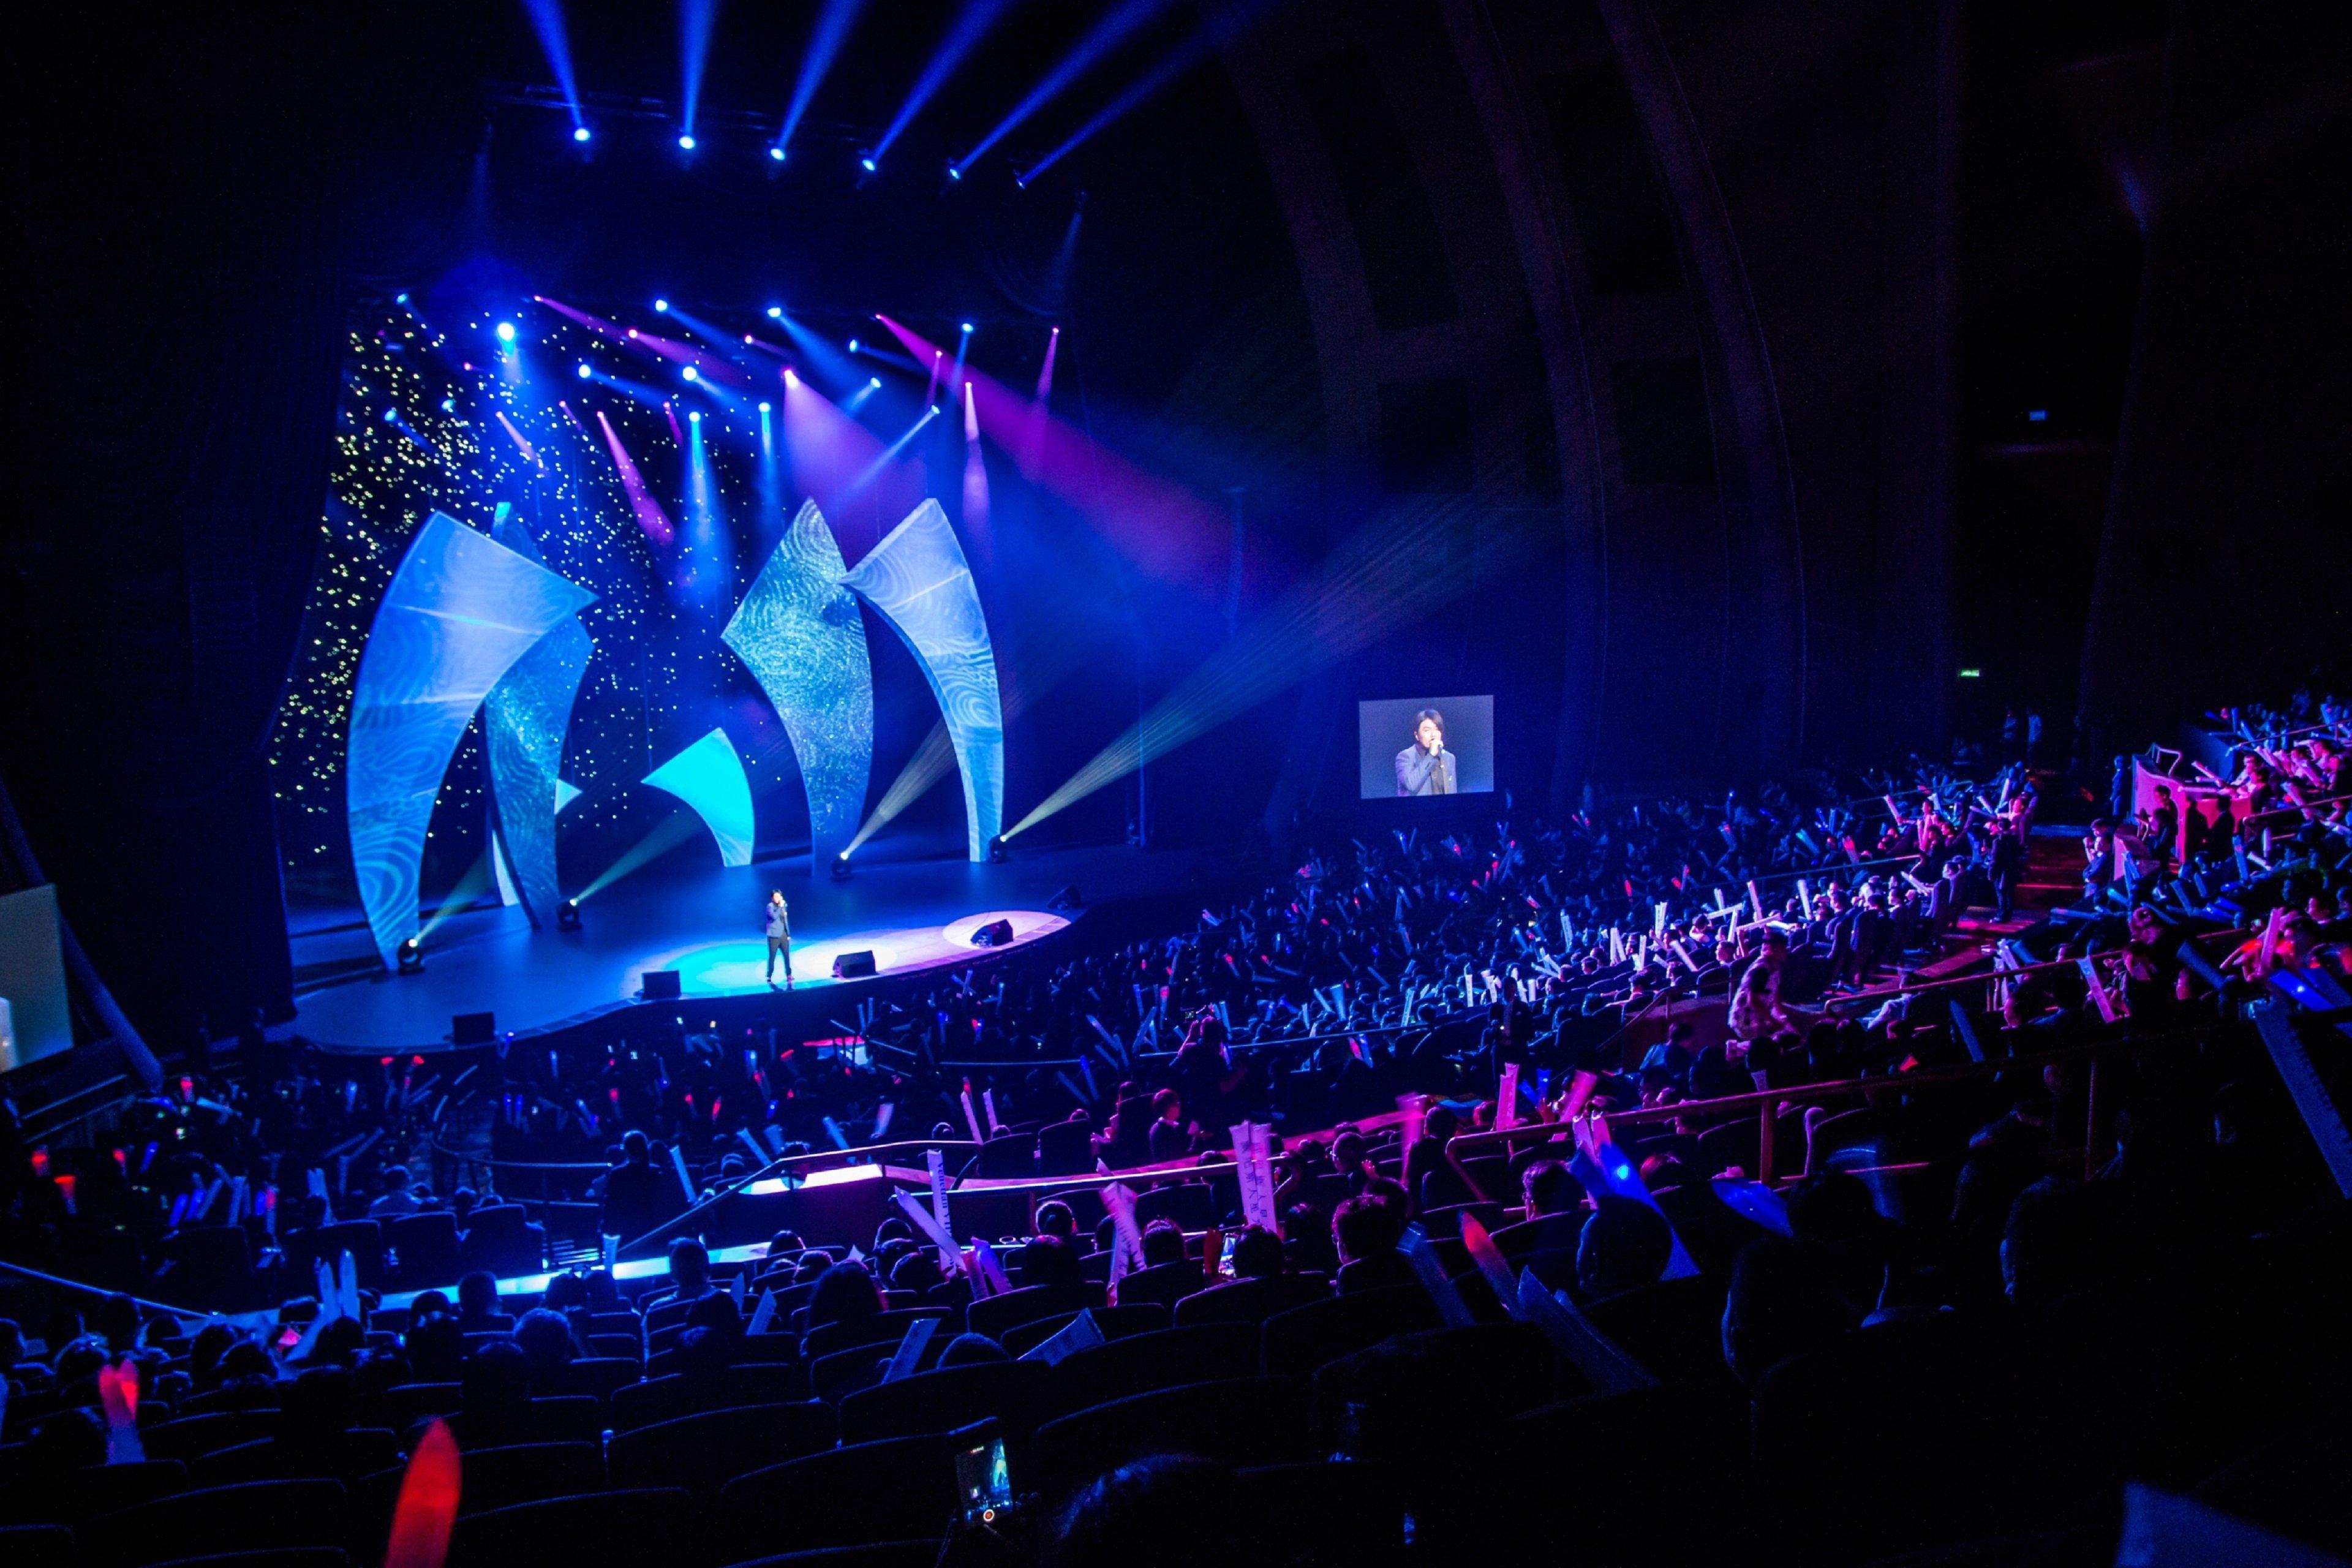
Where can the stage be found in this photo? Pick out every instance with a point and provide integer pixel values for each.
(707, 922)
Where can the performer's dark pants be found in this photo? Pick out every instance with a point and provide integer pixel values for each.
(777, 944)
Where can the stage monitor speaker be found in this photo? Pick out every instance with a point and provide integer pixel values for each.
(852, 965)
(995, 933)
(473, 1028)
(1068, 899)
(660, 985)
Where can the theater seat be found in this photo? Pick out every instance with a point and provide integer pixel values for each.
(426, 1248)
(880, 1555)
(595, 1530)
(844, 1497)
(1141, 1363)
(80, 1495)
(339, 1456)
(702, 1452)
(40, 1546)
(1237, 1421)
(258, 1516)
(993, 1315)
(502, 1239)
(1296, 1342)
(943, 1401)
(1116, 1323)
(192, 1435)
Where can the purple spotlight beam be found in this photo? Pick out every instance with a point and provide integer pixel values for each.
(971, 26)
(1105, 37)
(547, 21)
(832, 24)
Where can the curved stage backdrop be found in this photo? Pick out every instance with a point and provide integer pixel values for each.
(560, 593)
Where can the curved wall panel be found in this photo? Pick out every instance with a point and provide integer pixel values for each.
(799, 633)
(709, 776)
(460, 610)
(525, 719)
(918, 579)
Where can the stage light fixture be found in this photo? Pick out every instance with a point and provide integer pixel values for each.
(967, 328)
(998, 854)
(694, 417)
(776, 153)
(875, 382)
(954, 172)
(686, 141)
(775, 312)
(506, 331)
(691, 373)
(661, 305)
(567, 915)
(841, 866)
(400, 298)
(763, 409)
(867, 163)
(853, 345)
(580, 133)
(583, 372)
(411, 958)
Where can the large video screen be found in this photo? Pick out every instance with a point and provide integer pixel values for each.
(1418, 746)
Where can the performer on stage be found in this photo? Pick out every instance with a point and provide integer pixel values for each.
(1426, 767)
(780, 936)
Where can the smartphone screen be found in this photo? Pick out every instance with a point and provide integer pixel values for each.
(1226, 1257)
(982, 1478)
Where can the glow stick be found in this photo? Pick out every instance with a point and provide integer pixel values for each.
(1082, 1333)
(118, 1393)
(685, 1182)
(910, 1353)
(764, 1314)
(428, 1508)
(1127, 1237)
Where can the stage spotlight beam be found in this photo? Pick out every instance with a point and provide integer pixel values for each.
(1105, 36)
(1411, 558)
(971, 23)
(832, 24)
(547, 21)
(1187, 55)
(696, 21)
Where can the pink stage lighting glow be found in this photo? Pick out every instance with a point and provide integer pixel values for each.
(844, 467)
(1159, 524)
(530, 454)
(977, 537)
(650, 514)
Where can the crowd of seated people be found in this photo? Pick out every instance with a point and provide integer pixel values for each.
(1986, 1303)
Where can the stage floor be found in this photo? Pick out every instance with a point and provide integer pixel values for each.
(705, 923)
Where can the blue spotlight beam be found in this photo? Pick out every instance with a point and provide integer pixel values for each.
(460, 610)
(919, 580)
(709, 776)
(1187, 55)
(832, 24)
(799, 633)
(525, 719)
(1105, 36)
(547, 21)
(697, 19)
(971, 24)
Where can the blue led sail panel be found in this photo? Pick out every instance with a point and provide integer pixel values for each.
(917, 578)
(709, 776)
(799, 633)
(525, 719)
(460, 610)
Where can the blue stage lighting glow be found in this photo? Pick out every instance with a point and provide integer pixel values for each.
(524, 720)
(709, 776)
(763, 407)
(661, 304)
(775, 312)
(695, 417)
(1099, 42)
(400, 298)
(584, 373)
(686, 141)
(917, 578)
(799, 633)
(506, 331)
(967, 326)
(867, 163)
(853, 345)
(691, 373)
(954, 172)
(580, 133)
(777, 154)
(875, 382)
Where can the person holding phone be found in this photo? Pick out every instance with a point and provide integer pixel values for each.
(1426, 767)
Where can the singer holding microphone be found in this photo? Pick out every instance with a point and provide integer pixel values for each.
(1426, 767)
